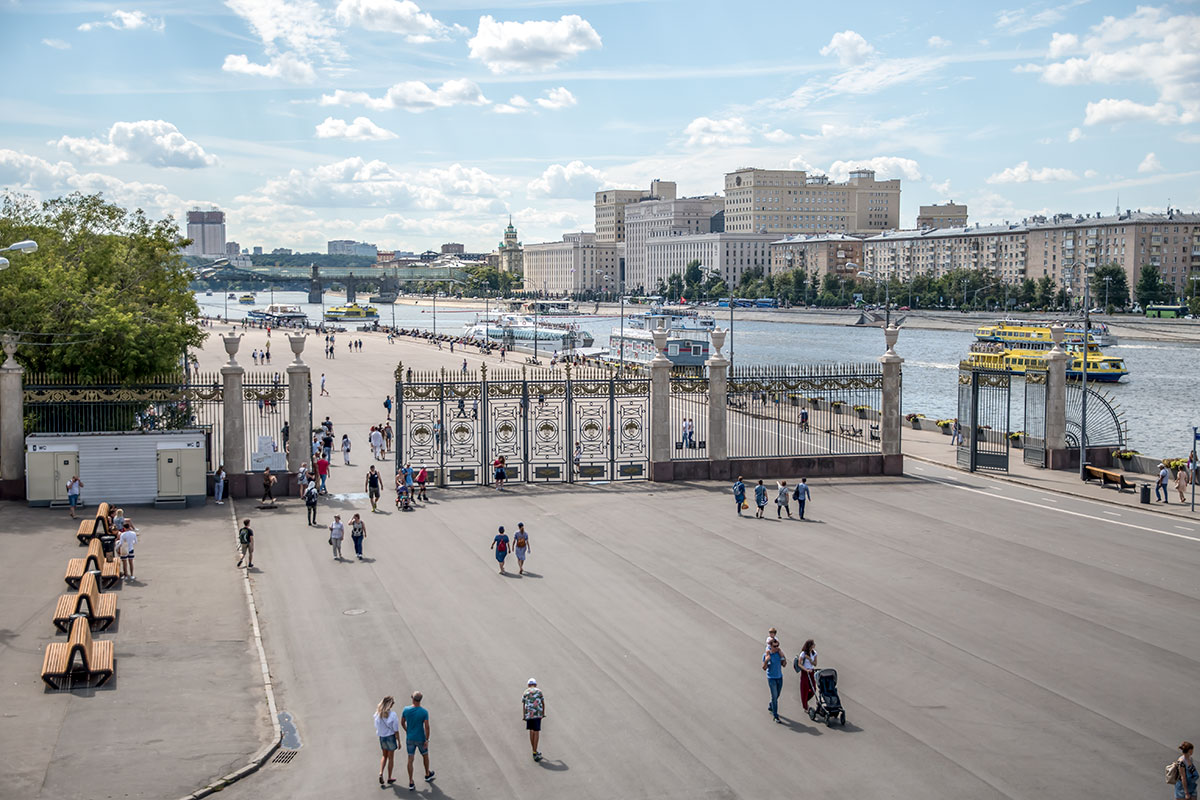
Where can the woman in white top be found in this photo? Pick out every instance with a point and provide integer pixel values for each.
(387, 726)
(346, 449)
(807, 660)
(128, 540)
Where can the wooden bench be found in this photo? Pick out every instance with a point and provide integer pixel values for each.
(109, 570)
(91, 528)
(100, 610)
(850, 430)
(78, 655)
(1107, 476)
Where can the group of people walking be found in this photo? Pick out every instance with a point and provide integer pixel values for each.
(784, 495)
(520, 545)
(773, 662)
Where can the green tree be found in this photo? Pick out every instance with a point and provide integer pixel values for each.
(1115, 290)
(674, 286)
(1150, 288)
(106, 292)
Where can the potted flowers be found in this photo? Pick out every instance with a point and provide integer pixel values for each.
(946, 425)
(862, 411)
(1017, 439)
(915, 420)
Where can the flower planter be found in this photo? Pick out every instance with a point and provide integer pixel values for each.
(945, 430)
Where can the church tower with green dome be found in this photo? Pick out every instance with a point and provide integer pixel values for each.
(510, 251)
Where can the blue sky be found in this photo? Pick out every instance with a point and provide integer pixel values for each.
(410, 124)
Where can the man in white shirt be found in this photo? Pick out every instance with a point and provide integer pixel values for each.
(376, 443)
(127, 541)
(337, 532)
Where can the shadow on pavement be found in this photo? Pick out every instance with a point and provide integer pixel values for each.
(553, 766)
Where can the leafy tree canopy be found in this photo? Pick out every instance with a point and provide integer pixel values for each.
(105, 293)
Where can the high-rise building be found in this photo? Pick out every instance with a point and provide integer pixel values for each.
(731, 255)
(610, 208)
(648, 218)
(576, 264)
(453, 247)
(257, 250)
(508, 253)
(792, 202)
(349, 247)
(233, 249)
(206, 229)
(839, 254)
(947, 215)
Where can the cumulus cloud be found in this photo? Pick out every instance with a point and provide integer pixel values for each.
(393, 16)
(886, 168)
(707, 132)
(566, 180)
(288, 66)
(1022, 173)
(149, 141)
(777, 136)
(57, 44)
(557, 98)
(515, 105)
(803, 164)
(850, 48)
(413, 96)
(937, 41)
(1150, 164)
(38, 176)
(942, 188)
(125, 21)
(1062, 44)
(356, 182)
(294, 34)
(1112, 111)
(1074, 135)
(537, 44)
(360, 130)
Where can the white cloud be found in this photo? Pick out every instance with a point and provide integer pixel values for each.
(413, 96)
(777, 136)
(356, 182)
(557, 98)
(706, 132)
(1062, 44)
(1090, 173)
(875, 77)
(125, 21)
(886, 168)
(393, 16)
(38, 176)
(515, 105)
(850, 47)
(288, 66)
(150, 141)
(1019, 20)
(567, 181)
(1022, 173)
(1112, 111)
(802, 164)
(1075, 135)
(942, 188)
(538, 44)
(57, 44)
(361, 129)
(1150, 164)
(300, 25)
(937, 41)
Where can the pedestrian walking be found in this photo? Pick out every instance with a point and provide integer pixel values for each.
(387, 436)
(956, 437)
(498, 472)
(126, 542)
(1183, 772)
(337, 532)
(760, 499)
(302, 476)
(73, 487)
(739, 494)
(372, 486)
(577, 456)
(377, 443)
(409, 478)
(806, 665)
(1182, 479)
(219, 485)
(437, 433)
(521, 547)
(500, 545)
(802, 495)
(422, 479)
(358, 532)
(246, 544)
(284, 434)
(415, 721)
(327, 445)
(781, 501)
(310, 502)
(269, 482)
(804, 420)
(387, 728)
(323, 471)
(772, 663)
(1163, 482)
(346, 449)
(533, 707)
(324, 392)
(387, 404)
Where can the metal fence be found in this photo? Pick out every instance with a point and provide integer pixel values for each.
(803, 410)
(688, 413)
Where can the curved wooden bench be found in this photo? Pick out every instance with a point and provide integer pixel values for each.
(100, 610)
(78, 655)
(91, 528)
(109, 570)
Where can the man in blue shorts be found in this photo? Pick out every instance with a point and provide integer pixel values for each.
(415, 722)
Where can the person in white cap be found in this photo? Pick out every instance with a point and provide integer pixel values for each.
(533, 704)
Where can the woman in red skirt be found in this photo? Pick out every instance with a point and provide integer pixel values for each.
(808, 668)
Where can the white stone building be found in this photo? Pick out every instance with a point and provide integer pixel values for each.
(647, 218)
(730, 254)
(576, 264)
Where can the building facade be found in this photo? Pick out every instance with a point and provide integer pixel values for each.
(206, 229)
(577, 264)
(731, 255)
(650, 218)
(349, 247)
(611, 203)
(791, 202)
(946, 215)
(839, 254)
(508, 253)
(900, 255)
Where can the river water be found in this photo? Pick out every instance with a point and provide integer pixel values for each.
(1158, 400)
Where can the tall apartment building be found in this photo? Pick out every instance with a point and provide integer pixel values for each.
(233, 249)
(578, 263)
(730, 254)
(999, 250)
(349, 247)
(648, 218)
(946, 215)
(206, 229)
(611, 203)
(790, 202)
(839, 254)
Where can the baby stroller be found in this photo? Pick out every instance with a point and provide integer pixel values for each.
(828, 706)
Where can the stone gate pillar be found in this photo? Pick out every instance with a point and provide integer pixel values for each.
(889, 417)
(233, 432)
(1056, 396)
(12, 411)
(718, 407)
(660, 402)
(299, 412)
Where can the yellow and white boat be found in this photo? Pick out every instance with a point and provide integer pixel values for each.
(1016, 348)
(353, 312)
(246, 299)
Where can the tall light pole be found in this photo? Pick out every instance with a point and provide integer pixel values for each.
(1087, 326)
(1107, 282)
(23, 246)
(200, 273)
(887, 296)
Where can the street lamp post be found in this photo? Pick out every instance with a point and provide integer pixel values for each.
(1087, 326)
(887, 296)
(1107, 282)
(23, 246)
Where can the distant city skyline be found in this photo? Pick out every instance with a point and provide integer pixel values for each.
(414, 124)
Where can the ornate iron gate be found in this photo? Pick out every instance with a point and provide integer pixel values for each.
(1035, 418)
(548, 426)
(1106, 425)
(983, 412)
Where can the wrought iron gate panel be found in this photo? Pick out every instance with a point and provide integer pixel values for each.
(984, 413)
(591, 426)
(546, 432)
(505, 404)
(1035, 418)
(1106, 426)
(966, 417)
(631, 429)
(463, 447)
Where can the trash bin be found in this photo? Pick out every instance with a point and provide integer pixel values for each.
(1145, 494)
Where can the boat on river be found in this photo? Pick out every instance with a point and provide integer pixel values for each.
(1018, 346)
(246, 299)
(688, 336)
(353, 312)
(514, 328)
(280, 314)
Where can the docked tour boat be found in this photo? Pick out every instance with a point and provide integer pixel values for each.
(353, 312)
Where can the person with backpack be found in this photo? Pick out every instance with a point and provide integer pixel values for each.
(781, 500)
(310, 501)
(802, 495)
(1182, 773)
(246, 544)
(500, 545)
(521, 546)
(739, 494)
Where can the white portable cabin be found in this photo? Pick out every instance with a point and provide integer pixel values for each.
(126, 467)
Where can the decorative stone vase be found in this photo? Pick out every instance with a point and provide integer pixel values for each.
(297, 340)
(232, 342)
(890, 335)
(718, 341)
(10, 350)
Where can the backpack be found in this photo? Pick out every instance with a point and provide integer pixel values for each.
(1174, 773)
(521, 541)
(502, 546)
(244, 536)
(310, 497)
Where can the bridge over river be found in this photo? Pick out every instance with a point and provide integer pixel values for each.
(315, 279)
